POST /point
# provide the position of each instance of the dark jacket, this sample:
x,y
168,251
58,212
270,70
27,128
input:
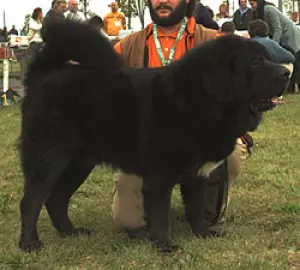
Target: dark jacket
x,y
276,52
51,17
13,32
203,17
241,20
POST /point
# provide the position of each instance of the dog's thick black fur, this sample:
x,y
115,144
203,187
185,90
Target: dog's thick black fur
x,y
158,123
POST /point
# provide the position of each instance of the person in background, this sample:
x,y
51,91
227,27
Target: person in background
x,y
223,12
34,34
13,31
114,21
282,30
204,17
210,11
56,13
295,17
4,34
259,31
73,13
227,28
242,16
97,23
173,32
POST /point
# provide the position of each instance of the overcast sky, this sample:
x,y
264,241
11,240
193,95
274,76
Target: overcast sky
x,y
16,10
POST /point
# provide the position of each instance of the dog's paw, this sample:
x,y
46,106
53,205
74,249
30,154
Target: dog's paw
x,y
31,246
169,249
209,233
166,247
76,232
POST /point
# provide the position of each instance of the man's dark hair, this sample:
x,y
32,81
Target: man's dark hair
x,y
258,28
259,13
228,28
58,2
96,22
191,8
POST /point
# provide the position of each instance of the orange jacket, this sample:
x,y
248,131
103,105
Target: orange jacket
x,y
167,40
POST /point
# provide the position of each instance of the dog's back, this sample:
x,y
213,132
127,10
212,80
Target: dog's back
x,y
67,43
76,102
78,42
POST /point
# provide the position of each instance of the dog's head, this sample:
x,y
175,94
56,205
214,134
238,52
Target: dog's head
x,y
238,78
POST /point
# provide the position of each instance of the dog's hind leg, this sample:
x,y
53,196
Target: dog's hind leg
x,y
57,203
157,197
40,174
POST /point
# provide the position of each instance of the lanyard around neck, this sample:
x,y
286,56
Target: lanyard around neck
x,y
165,62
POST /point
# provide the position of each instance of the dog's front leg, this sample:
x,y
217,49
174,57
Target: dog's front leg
x,y
192,192
157,196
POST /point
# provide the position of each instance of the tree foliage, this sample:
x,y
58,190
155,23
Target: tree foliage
x,y
129,8
25,28
85,8
291,5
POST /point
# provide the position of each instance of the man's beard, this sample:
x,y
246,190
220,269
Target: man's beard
x,y
175,16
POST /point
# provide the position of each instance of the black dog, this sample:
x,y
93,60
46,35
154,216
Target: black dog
x,y
173,121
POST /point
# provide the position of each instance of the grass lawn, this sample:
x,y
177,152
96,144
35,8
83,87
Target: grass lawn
x,y
263,228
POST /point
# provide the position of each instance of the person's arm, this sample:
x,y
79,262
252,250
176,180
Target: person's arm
x,y
282,55
34,25
274,22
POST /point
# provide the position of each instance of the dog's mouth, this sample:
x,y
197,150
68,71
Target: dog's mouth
x,y
264,105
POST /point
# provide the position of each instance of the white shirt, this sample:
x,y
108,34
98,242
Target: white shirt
x,y
35,31
78,16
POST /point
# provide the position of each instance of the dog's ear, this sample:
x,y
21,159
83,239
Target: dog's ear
x,y
227,80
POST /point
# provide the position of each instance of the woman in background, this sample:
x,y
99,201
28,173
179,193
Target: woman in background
x,y
223,12
34,34
282,30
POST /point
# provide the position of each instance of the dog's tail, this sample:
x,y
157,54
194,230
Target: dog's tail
x,y
72,41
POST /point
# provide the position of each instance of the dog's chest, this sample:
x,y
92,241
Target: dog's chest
x,y
143,80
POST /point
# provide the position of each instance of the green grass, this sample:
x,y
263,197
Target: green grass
x,y
263,228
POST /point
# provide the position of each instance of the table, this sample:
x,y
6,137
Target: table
x,y
13,85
